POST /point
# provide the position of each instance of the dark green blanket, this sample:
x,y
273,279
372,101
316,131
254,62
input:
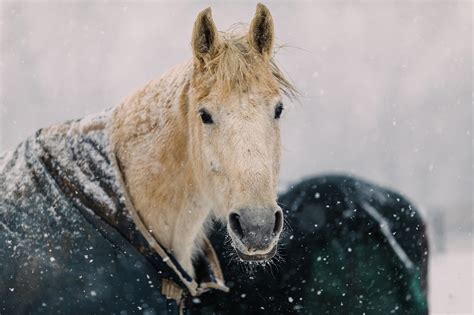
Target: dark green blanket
x,y
337,257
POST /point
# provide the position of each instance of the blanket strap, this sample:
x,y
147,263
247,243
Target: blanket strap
x,y
171,290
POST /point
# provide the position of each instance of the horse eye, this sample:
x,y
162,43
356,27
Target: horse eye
x,y
278,110
206,117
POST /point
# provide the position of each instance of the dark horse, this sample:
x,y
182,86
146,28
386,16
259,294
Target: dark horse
x,y
353,248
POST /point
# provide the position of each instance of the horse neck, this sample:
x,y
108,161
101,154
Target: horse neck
x,y
151,141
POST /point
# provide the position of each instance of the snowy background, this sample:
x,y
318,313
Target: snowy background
x,y
387,93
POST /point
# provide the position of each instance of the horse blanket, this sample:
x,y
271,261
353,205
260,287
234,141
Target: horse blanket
x,y
351,247
70,242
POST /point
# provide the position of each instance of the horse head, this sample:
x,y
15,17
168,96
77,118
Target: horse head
x,y
235,108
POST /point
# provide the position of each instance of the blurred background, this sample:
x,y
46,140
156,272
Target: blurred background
x,y
387,93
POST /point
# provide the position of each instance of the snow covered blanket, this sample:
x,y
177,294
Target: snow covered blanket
x,y
69,240
351,247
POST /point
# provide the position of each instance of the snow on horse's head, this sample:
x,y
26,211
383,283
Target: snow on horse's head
x,y
203,142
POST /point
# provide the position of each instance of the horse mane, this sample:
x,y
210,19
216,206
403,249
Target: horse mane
x,y
237,64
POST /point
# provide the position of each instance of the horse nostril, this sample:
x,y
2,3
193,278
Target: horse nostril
x,y
234,221
278,222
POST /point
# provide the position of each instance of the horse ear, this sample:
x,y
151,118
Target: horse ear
x,y
205,38
261,33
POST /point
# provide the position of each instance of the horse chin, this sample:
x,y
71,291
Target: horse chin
x,y
257,257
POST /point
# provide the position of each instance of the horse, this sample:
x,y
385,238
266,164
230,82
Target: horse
x,y
204,140
199,144
352,247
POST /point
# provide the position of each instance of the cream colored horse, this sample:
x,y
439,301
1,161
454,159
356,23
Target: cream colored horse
x,y
203,142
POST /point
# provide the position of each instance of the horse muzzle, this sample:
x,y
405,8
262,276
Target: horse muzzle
x,y
255,232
